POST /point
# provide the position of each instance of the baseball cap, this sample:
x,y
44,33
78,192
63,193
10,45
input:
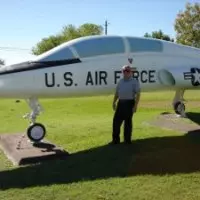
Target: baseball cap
x,y
126,68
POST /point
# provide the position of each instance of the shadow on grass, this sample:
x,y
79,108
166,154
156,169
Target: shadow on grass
x,y
157,156
195,117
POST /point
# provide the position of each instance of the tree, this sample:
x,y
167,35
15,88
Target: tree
x,y
68,33
147,35
2,62
159,35
90,29
46,44
187,25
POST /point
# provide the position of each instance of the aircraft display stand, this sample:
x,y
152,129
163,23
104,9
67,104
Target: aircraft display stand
x,y
20,151
172,121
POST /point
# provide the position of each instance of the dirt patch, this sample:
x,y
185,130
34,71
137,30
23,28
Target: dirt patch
x,y
167,104
175,122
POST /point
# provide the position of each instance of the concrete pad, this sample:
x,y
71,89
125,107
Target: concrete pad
x,y
174,122
21,151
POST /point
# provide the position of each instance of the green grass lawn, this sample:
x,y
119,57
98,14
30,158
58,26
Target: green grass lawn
x,y
161,164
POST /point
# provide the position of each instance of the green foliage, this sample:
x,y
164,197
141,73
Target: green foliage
x,y
46,44
68,33
90,29
187,25
2,62
159,35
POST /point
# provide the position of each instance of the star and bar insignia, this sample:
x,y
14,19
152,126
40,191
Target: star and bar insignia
x,y
193,75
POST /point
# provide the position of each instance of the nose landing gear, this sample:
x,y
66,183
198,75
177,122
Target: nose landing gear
x,y
36,131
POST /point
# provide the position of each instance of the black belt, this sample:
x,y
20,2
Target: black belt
x,y
126,100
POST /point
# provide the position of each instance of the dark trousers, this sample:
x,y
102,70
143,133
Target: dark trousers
x,y
124,112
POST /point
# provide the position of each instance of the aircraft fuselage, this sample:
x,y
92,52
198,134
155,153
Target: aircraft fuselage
x,y
97,75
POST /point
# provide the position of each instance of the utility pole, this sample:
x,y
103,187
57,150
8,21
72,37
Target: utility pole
x,y
106,27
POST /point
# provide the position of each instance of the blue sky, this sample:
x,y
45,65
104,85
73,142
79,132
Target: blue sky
x,y
24,22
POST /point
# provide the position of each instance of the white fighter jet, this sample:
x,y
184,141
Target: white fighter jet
x,y
92,66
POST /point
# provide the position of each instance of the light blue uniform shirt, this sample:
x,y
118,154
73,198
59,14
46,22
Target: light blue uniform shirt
x,y
127,89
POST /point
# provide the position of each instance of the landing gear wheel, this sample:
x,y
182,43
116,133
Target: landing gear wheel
x,y
36,132
179,108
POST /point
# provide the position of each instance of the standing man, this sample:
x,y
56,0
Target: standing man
x,y
128,96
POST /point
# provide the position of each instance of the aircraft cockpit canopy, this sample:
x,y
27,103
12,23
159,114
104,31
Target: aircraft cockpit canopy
x,y
86,47
99,46
58,53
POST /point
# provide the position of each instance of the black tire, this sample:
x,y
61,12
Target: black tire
x,y
38,137
179,106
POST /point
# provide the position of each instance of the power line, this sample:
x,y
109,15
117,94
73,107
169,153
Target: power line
x,y
3,48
